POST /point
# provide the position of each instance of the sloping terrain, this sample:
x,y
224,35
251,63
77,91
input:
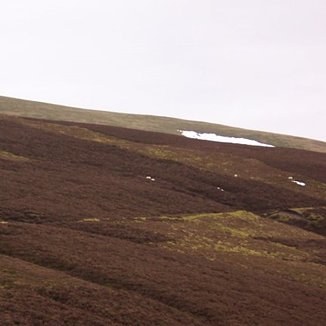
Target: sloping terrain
x,y
173,126
103,225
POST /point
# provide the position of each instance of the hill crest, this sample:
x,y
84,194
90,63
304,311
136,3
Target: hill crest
x,y
39,110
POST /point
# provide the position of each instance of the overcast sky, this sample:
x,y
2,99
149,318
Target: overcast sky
x,y
257,64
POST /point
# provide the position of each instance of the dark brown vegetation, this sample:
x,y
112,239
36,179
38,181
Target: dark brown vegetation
x,y
87,239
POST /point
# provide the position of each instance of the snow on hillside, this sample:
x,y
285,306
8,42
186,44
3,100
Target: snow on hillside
x,y
222,139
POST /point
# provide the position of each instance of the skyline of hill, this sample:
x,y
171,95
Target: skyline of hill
x,y
41,110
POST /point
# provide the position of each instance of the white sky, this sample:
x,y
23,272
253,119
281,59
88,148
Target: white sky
x,y
256,64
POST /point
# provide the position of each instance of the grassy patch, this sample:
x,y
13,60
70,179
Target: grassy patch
x,y
10,156
238,232
91,220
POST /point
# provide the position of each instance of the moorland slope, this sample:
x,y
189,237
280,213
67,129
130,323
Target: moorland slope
x,y
102,225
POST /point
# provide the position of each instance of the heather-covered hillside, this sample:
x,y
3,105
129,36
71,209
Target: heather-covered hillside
x,y
104,225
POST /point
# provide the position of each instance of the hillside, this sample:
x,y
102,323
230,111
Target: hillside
x,y
103,225
39,110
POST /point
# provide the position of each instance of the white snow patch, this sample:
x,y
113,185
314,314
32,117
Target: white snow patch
x,y
150,178
235,175
219,188
221,139
300,183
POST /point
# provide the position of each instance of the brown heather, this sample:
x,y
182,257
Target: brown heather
x,y
87,239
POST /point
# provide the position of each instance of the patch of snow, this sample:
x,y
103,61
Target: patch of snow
x,y
235,175
221,139
300,183
150,178
219,188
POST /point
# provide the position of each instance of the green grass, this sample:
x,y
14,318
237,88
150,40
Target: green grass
x,y
238,232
